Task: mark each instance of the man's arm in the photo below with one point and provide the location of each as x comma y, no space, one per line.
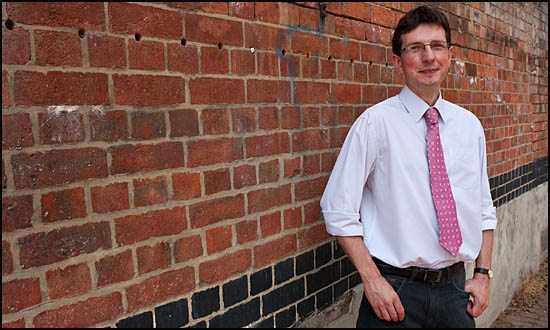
479,285
380,294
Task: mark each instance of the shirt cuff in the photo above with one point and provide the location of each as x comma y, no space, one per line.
488,225
342,224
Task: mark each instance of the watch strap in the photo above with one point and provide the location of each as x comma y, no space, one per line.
481,270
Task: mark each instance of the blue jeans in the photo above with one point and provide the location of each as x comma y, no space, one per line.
427,305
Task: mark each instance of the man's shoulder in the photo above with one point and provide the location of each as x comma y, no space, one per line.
462,114
382,109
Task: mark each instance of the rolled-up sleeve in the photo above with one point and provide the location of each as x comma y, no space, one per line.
488,211
341,200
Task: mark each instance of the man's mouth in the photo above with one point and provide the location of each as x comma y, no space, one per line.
428,71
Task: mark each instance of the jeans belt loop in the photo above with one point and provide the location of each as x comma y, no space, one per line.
439,275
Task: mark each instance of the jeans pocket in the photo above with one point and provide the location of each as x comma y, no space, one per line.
397,282
458,284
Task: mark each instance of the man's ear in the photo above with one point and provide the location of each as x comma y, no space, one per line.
397,63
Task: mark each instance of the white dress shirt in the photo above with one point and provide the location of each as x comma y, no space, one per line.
379,187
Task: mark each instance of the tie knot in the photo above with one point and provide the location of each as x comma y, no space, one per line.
431,116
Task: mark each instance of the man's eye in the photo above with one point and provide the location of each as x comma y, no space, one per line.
437,46
415,48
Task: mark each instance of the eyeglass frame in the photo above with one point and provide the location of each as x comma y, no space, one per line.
407,49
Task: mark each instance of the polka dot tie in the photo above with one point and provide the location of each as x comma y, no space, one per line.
449,230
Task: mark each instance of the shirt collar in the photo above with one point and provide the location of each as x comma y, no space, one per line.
416,107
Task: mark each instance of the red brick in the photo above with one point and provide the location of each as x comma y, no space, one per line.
360,10
329,116
45,248
186,185
54,88
383,16
310,43
268,118
184,122
313,139
373,54
146,157
312,236
268,145
243,176
14,324
360,72
274,250
270,224
374,74
216,181
244,120
150,258
145,90
328,69
214,7
290,66
63,205
183,59
312,164
292,218
312,212
215,121
69,281
292,167
7,259
108,126
218,239
373,94
187,248
247,231
57,48
17,212
146,55
216,91
110,198
211,30
208,152
52,167
219,269
268,64
310,68
135,228
346,93
86,15
150,191
17,131
16,46
5,90
243,62
212,211
268,91
264,199
291,118
60,127
266,37
309,18
311,188
267,12
214,60
148,21
82,314
269,171
311,93
115,268
19,294
337,136
105,51
160,287
344,49
241,9
310,117
148,125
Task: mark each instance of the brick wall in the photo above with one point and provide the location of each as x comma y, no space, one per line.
162,164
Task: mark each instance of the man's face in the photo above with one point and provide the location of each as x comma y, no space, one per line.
424,67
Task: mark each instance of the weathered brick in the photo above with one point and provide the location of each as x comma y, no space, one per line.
19,294
186,185
312,236
216,91
208,152
108,126
266,37
5,91
187,248
243,62
274,250
115,268
7,258
212,30
146,157
310,188
270,224
268,91
219,269
131,18
312,139
216,181
17,131
184,122
146,90
52,167
146,55
247,231
71,280
264,199
60,127
17,212
135,228
213,211
215,121
57,48
311,93
244,120
16,46
214,60
160,287
267,145
54,88
243,176
45,248
83,313
106,51
150,258
218,239
150,191
183,59
63,205
110,198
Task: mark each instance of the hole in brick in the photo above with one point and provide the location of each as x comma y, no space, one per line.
307,55
183,41
351,60
329,57
283,52
138,36
81,33
9,24
220,45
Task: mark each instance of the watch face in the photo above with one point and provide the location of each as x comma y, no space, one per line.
490,273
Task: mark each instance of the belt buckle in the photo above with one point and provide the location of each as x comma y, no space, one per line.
439,276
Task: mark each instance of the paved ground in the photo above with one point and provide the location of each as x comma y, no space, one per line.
529,308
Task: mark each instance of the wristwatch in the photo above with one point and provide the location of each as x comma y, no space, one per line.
485,271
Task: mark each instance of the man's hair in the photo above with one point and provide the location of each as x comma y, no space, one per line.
415,17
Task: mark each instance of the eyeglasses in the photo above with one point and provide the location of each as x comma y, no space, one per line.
438,47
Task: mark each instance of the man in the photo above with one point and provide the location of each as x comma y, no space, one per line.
409,198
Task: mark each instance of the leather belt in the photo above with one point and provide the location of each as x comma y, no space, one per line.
422,274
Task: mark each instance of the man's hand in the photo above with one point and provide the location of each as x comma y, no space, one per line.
479,287
384,300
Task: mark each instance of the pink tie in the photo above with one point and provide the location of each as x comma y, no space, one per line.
449,230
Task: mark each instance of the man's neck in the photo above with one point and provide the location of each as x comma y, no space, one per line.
429,96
